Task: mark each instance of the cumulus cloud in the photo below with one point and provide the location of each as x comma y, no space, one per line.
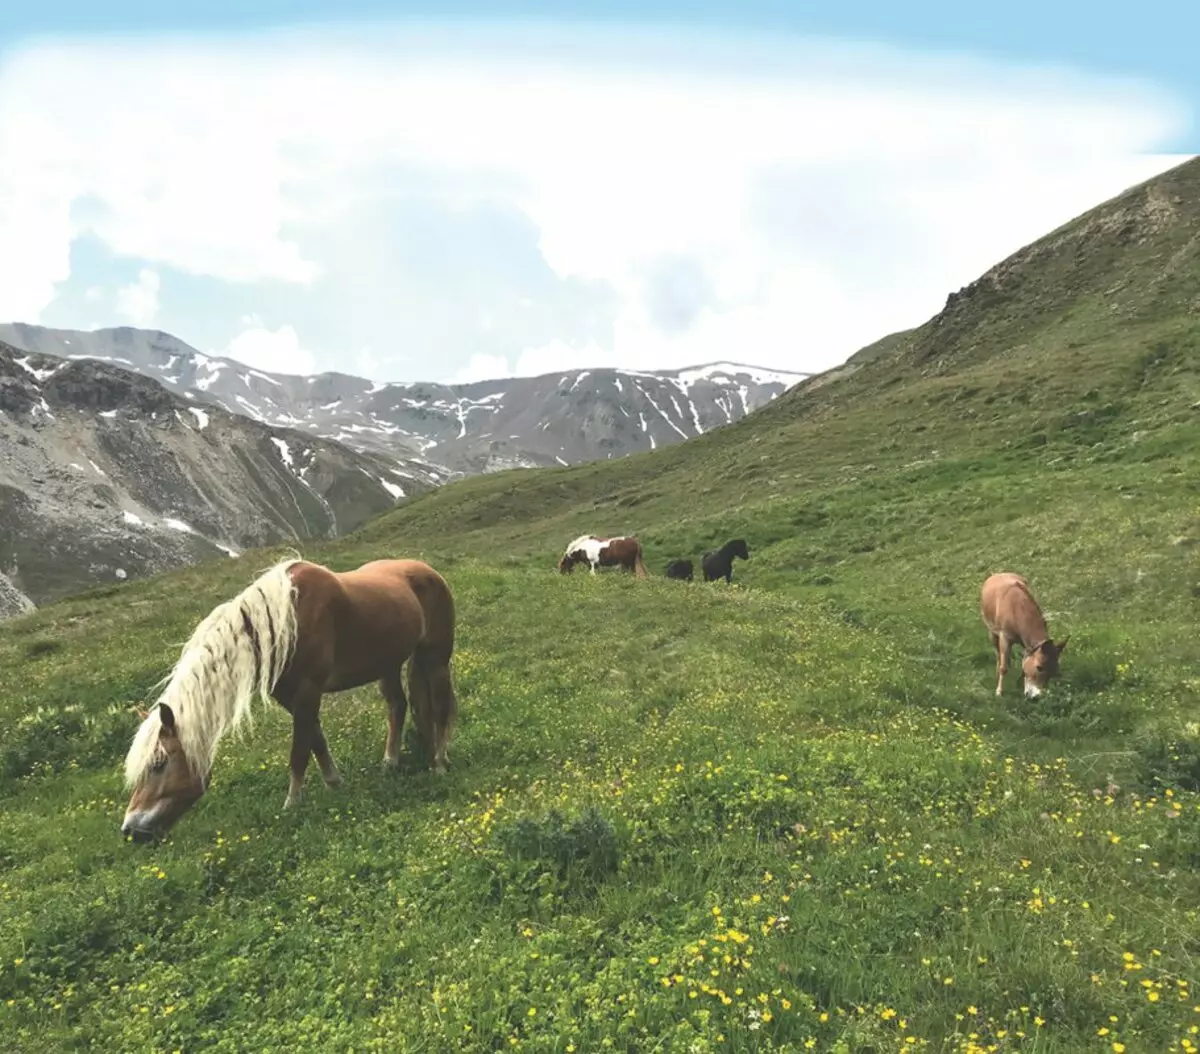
137,302
461,200
273,350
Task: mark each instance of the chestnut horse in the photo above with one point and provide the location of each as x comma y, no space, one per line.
624,552
1012,616
296,632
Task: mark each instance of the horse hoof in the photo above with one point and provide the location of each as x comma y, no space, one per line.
292,800
335,782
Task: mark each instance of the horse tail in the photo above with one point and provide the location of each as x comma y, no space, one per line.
430,685
639,565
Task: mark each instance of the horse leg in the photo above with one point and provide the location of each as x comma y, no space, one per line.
303,704
320,751
392,688
1003,648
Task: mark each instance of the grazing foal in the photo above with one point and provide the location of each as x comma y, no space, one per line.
719,562
1012,616
681,569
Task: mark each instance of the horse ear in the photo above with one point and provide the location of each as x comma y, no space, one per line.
167,716
1061,647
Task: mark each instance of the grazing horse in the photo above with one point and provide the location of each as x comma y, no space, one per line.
296,632
681,569
624,552
719,562
1012,616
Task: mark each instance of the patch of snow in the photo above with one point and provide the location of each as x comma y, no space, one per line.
171,380
133,519
251,408
108,413
263,377
661,412
581,376
395,490
98,469
225,549
333,405
285,452
178,525
120,573
103,358
743,391
728,371
559,460
39,375
201,416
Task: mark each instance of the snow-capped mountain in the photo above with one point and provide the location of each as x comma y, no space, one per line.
559,418
105,476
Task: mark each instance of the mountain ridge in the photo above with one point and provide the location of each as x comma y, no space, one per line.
562,417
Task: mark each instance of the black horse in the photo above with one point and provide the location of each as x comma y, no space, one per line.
719,563
681,569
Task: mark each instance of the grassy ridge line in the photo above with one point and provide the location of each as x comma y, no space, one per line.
797,830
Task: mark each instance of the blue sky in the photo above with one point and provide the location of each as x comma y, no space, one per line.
478,189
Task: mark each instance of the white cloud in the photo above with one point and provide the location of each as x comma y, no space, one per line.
138,302
277,350
807,197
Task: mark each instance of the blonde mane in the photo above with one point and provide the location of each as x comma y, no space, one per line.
221,669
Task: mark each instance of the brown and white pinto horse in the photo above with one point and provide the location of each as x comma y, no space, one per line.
624,552
296,632
1012,616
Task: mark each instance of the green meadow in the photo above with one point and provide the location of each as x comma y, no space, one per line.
786,815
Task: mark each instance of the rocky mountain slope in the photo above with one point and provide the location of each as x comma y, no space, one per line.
106,475
560,418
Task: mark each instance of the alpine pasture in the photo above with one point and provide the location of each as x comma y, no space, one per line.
784,815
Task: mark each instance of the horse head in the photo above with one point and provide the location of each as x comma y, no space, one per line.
568,561
168,785
1040,665
738,548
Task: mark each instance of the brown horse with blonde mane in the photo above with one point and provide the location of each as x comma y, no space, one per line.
296,632
1012,616
624,552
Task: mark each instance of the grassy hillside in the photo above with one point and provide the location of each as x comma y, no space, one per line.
789,815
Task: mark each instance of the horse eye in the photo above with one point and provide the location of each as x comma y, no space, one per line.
159,765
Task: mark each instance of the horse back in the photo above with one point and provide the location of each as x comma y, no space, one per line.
356,626
1007,606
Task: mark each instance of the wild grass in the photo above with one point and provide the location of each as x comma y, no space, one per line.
679,817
